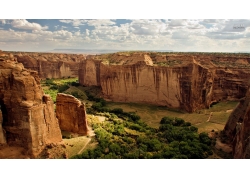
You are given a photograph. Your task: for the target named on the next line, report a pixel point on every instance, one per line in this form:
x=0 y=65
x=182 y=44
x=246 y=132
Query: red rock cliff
x=237 y=128
x=185 y=81
x=71 y=114
x=28 y=117
x=51 y=65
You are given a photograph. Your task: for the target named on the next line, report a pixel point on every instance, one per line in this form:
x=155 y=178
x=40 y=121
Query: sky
x=204 y=35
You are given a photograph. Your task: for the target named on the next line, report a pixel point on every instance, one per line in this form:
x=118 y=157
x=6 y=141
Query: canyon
x=186 y=81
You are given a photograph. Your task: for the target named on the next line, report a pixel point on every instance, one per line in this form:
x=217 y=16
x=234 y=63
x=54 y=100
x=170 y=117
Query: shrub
x=75 y=94
x=117 y=111
x=205 y=139
x=49 y=82
x=167 y=120
x=75 y=84
x=54 y=87
x=194 y=129
x=62 y=88
x=178 y=122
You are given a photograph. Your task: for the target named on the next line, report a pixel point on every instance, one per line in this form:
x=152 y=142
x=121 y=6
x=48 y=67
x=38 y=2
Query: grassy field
x=153 y=114
x=74 y=145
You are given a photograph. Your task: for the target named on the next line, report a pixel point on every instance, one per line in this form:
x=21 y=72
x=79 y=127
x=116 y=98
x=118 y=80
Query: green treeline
x=124 y=135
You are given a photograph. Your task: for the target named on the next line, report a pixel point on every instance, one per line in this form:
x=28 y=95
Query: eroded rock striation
x=186 y=81
x=28 y=118
x=51 y=65
x=237 y=128
x=71 y=114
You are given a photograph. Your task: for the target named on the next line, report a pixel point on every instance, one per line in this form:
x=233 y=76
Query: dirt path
x=84 y=146
x=211 y=113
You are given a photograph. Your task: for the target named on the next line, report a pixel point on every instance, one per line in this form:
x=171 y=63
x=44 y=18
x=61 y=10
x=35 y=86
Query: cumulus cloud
x=74 y=22
x=24 y=24
x=148 y=27
x=177 y=22
x=171 y=34
x=100 y=22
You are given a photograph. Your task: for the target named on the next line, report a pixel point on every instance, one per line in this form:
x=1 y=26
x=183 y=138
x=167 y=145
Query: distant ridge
x=242 y=52
x=85 y=51
x=99 y=51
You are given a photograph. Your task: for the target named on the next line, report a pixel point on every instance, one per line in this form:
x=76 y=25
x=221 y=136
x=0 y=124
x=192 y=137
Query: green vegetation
x=125 y=135
x=124 y=138
x=169 y=63
x=54 y=86
x=52 y=93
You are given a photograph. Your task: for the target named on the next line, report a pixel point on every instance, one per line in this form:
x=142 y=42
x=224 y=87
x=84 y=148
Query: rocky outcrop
x=2 y=131
x=28 y=118
x=51 y=65
x=186 y=81
x=71 y=114
x=237 y=128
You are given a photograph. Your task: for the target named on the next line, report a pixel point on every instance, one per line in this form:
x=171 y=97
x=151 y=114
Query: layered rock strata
x=28 y=118
x=51 y=65
x=71 y=114
x=237 y=128
x=186 y=81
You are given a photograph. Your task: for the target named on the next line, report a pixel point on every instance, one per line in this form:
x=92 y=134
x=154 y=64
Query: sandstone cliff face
x=89 y=73
x=71 y=114
x=28 y=117
x=237 y=128
x=188 y=82
x=51 y=65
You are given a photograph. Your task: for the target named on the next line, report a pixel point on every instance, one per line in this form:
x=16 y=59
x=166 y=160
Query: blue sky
x=227 y=35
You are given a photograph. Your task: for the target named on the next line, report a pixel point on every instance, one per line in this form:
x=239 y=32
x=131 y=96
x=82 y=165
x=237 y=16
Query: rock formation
x=28 y=118
x=186 y=81
x=71 y=114
x=237 y=128
x=51 y=65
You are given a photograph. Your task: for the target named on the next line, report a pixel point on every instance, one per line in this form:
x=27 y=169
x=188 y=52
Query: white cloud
x=24 y=24
x=100 y=22
x=177 y=34
x=3 y=21
x=148 y=27
x=87 y=32
x=180 y=35
x=74 y=22
x=178 y=22
x=65 y=21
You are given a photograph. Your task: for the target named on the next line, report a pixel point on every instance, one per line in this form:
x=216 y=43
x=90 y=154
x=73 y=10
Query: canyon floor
x=206 y=120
